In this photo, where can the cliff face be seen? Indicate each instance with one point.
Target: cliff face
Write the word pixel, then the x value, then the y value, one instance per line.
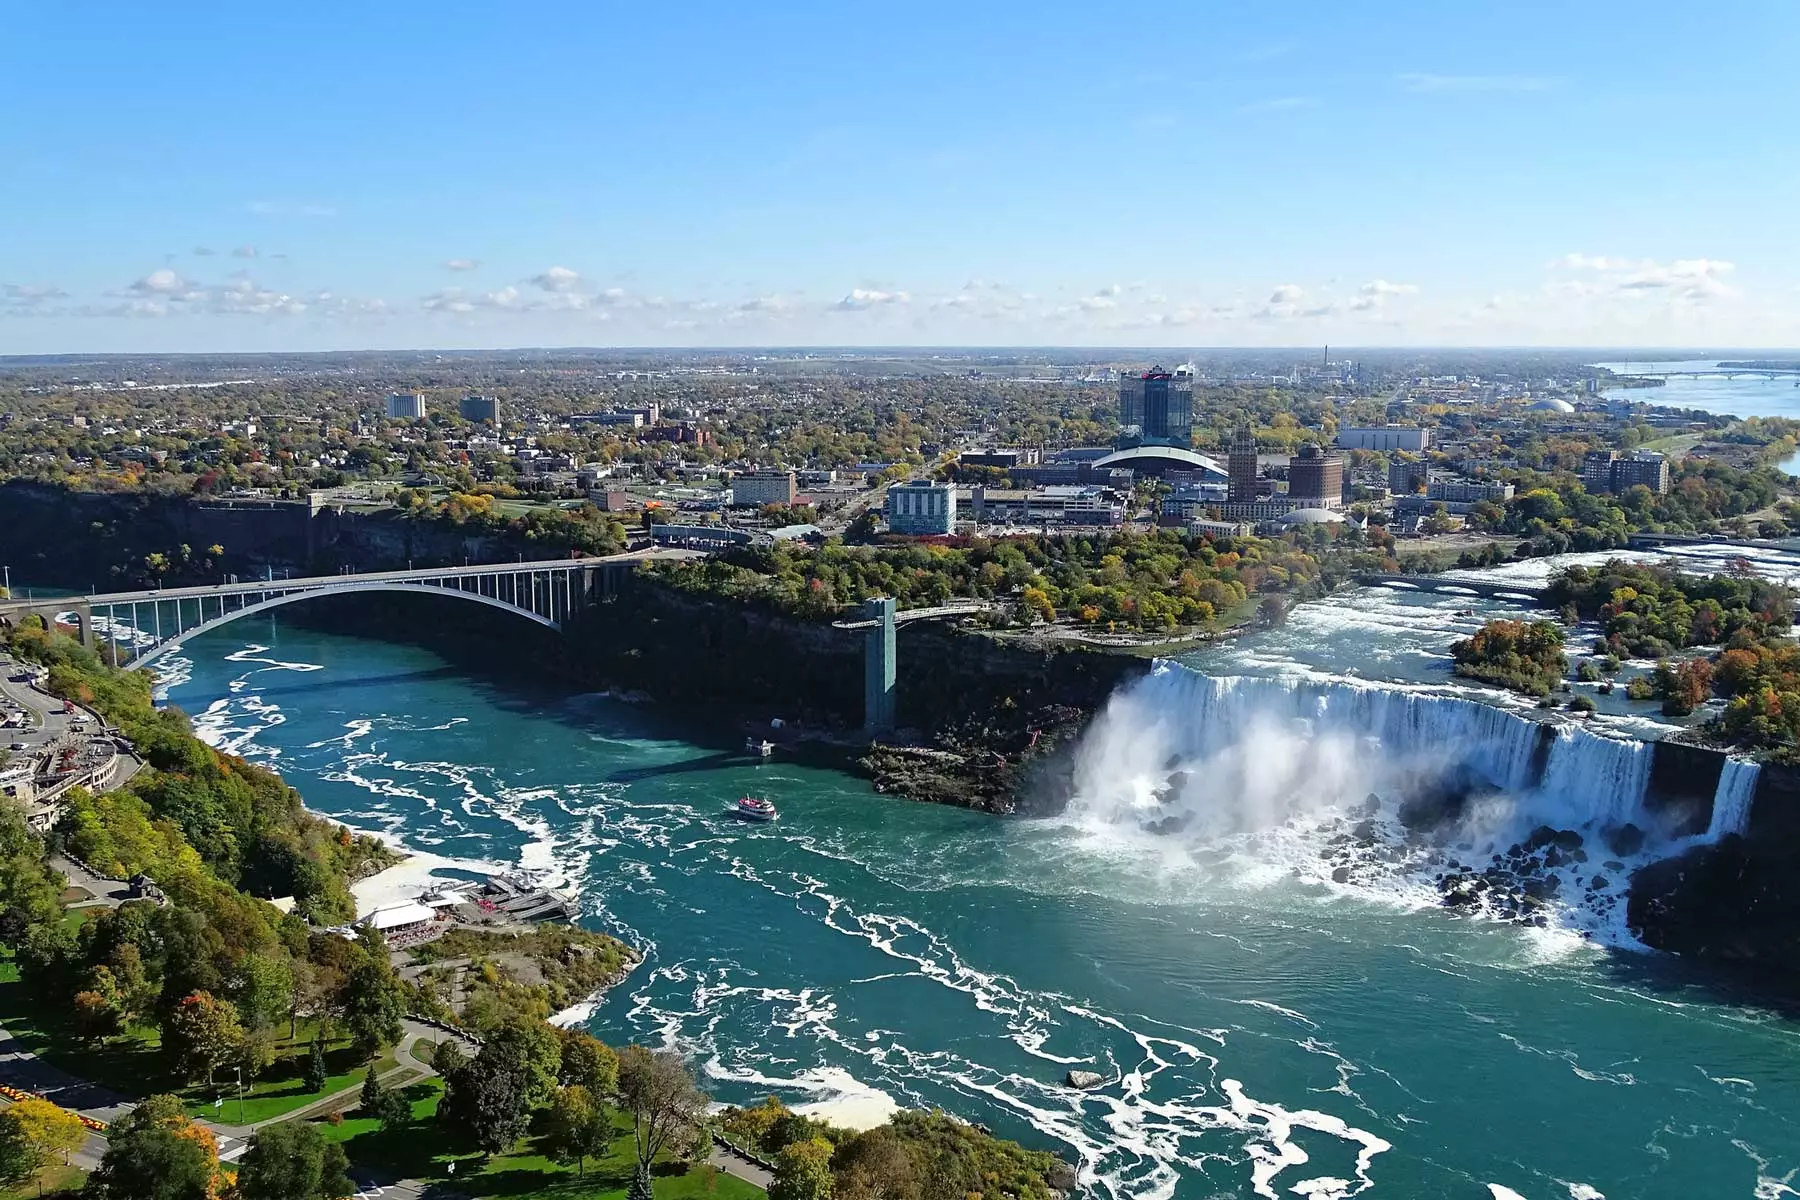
pixel 986 724
pixel 1735 903
pixel 56 536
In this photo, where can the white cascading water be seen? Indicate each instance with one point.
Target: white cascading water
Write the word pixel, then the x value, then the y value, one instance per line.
pixel 1263 749
pixel 1734 796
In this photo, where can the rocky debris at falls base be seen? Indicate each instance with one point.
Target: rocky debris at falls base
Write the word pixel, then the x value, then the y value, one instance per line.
pixel 1523 883
pixel 1083 1080
pixel 1009 762
pixel 1734 904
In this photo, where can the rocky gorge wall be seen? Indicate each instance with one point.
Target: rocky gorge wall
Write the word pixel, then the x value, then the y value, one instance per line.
pixel 53 535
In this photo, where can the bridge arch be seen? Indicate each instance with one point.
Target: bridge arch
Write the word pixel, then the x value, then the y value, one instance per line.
pixel 149 655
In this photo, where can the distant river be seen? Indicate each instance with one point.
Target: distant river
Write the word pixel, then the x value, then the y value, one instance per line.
pixel 1264 1030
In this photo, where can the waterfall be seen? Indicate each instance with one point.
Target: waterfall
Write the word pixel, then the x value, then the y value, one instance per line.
pixel 1263 746
pixel 1733 798
pixel 1595 780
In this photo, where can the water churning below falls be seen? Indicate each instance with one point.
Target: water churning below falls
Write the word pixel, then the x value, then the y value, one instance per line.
pixel 1264 1030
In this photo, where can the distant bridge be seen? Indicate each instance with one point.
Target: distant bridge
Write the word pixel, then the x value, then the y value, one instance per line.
pixel 1717 373
pixel 151 623
pixel 1450 583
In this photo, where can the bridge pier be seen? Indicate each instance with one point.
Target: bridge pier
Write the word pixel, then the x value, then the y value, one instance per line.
pixel 879 659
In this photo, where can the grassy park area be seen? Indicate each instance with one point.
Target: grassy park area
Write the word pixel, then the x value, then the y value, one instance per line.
pixel 134 1065
pixel 419 1152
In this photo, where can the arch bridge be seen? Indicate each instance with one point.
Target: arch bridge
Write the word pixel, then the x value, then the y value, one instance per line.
pixel 150 623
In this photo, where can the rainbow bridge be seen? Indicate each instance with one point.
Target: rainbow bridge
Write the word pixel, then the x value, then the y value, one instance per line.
pixel 147 624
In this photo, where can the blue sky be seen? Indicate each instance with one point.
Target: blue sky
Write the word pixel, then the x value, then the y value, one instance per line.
pixel 205 176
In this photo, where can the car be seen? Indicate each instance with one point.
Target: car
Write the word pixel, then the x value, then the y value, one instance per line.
pixel 18 746
pixel 22 677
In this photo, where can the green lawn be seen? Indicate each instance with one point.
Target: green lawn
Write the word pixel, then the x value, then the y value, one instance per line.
pixel 48 1182
pixel 281 1088
pixel 419 1153
pixel 134 1064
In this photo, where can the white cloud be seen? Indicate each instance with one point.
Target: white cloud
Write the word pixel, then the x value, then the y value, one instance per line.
pixel 1381 287
pixel 859 299
pixel 29 295
pixel 461 264
pixel 203 252
pixel 558 279
pixel 1099 303
pixel 1424 82
pixel 1287 293
pixel 449 300
pixel 244 252
pixel 160 282
pixel 1693 280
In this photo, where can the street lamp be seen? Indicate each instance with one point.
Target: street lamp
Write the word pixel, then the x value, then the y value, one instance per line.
pixel 240 1090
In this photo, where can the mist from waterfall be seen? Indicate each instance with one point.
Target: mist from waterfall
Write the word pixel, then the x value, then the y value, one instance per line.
pixel 1232 754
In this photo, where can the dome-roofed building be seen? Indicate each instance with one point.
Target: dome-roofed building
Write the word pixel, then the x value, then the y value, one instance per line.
pixel 1160 460
pixel 1310 516
pixel 1551 404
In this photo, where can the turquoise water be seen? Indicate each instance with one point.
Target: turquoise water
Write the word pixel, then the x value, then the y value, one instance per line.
pixel 1262 1036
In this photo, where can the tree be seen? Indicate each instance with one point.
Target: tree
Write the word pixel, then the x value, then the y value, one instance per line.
pixel 640 1188
pixel 588 1062
pixel 44 1132
pixel 203 1033
pixel 484 1101
pixel 579 1127
pixel 876 1166
pixel 447 1056
pixel 803 1171
pixel 315 1066
pixel 156 1153
pixel 662 1098
pixel 263 990
pixel 536 1051
pixel 373 1006
pixel 291 1160
pixel 388 1107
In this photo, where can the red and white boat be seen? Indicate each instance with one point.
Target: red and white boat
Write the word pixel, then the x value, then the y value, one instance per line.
pixel 754 808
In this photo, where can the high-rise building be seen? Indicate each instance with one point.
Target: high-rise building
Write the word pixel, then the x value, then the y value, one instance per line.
pixel 921 507
pixel 763 487
pixel 1242 466
pixel 1156 407
pixel 481 408
pixel 1610 471
pixel 1315 478
pixel 406 406
pixel 1645 467
pixel 1407 475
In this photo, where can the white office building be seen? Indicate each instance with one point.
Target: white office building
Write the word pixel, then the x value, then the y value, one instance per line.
pixel 1384 437
pixel 921 508
pixel 406 406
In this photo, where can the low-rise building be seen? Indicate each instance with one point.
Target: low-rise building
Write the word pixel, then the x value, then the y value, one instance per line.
pixel 1468 491
pixel 1384 437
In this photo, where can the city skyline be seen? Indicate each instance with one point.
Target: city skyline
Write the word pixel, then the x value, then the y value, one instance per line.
pixel 204 180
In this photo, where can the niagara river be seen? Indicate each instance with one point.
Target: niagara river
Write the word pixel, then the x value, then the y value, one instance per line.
pixel 1267 1024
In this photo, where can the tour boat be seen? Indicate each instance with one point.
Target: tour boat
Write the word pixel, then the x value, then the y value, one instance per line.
pixel 754 808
